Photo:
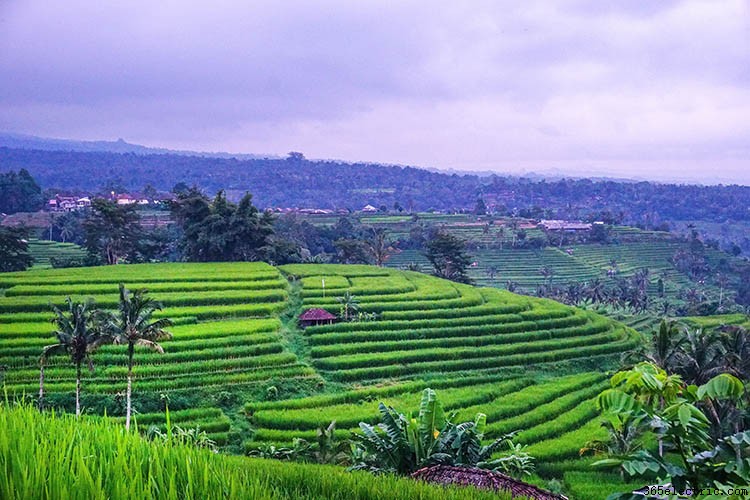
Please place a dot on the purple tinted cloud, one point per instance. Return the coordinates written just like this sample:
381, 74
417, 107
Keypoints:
654, 89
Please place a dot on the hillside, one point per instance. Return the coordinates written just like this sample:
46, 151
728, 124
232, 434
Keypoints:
297, 182
240, 369
102, 461
24, 141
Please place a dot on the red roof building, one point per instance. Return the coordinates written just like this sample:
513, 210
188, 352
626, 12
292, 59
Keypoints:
316, 317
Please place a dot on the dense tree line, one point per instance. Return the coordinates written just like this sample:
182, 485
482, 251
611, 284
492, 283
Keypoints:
217, 230
298, 182
14, 250
19, 192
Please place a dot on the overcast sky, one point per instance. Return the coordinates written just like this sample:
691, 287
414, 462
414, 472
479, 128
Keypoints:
652, 89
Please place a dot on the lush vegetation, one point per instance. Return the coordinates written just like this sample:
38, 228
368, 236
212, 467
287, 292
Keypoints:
14, 250
238, 372
107, 462
296, 181
19, 192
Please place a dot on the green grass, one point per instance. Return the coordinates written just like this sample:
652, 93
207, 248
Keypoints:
589, 485
50, 457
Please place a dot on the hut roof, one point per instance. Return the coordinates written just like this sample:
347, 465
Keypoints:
316, 315
483, 479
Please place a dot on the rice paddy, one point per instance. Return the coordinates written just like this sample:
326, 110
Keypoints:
531, 365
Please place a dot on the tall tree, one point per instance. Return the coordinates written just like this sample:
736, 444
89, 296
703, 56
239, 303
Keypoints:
19, 192
111, 230
14, 249
348, 305
133, 325
447, 254
79, 334
379, 246
217, 230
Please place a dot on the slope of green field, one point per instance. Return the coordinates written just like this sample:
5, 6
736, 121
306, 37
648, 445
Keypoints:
240, 344
43, 251
483, 350
426, 325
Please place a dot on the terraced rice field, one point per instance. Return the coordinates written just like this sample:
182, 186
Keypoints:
426, 325
629, 257
543, 410
226, 328
580, 263
482, 349
475, 346
43, 251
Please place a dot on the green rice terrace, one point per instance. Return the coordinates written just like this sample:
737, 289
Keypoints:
575, 264
240, 368
44, 251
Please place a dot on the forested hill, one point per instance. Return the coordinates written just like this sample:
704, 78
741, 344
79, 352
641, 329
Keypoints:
297, 182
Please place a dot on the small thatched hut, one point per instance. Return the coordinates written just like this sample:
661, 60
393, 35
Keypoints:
316, 317
483, 479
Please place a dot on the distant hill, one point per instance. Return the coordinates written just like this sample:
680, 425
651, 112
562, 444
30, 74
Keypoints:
303, 183
22, 141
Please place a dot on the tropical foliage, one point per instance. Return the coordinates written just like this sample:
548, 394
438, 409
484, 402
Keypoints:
107, 462
679, 416
14, 249
79, 334
133, 326
403, 443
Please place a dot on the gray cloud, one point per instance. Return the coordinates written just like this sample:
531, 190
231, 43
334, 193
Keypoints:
515, 86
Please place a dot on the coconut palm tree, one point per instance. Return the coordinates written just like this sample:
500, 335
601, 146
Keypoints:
722, 280
666, 346
491, 272
79, 334
596, 291
702, 356
133, 325
500, 236
349, 305
547, 273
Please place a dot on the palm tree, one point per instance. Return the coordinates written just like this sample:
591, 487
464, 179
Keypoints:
491, 272
722, 280
79, 334
736, 341
349, 305
702, 356
574, 293
666, 345
596, 291
133, 325
547, 273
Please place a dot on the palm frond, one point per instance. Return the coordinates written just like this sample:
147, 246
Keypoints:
149, 345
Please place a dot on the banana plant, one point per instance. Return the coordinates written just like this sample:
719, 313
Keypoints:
683, 423
403, 443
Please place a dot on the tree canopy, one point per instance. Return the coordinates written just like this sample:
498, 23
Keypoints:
19, 192
218, 230
14, 249
447, 254
112, 231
